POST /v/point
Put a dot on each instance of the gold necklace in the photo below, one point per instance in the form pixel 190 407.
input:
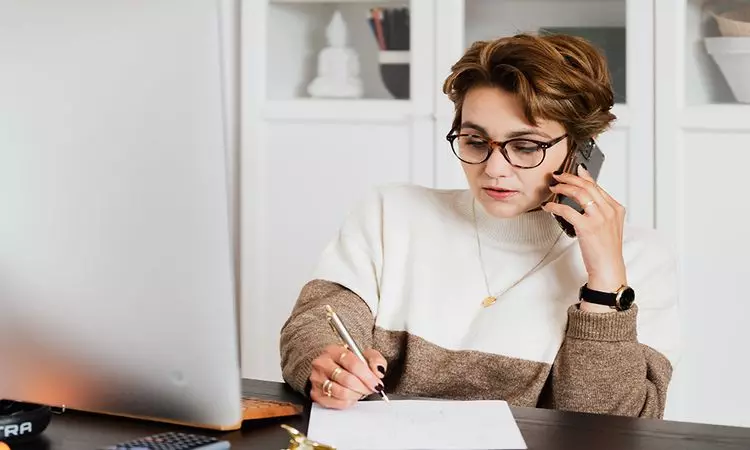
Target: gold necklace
pixel 492 299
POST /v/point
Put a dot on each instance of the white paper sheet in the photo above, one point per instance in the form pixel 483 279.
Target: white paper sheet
pixel 417 425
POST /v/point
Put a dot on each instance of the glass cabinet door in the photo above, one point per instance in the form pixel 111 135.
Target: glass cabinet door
pixel 716 43
pixel 601 22
pixel 341 49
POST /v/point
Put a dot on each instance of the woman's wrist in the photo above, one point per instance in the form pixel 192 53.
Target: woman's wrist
pixel 594 308
pixel 602 284
pixel 609 280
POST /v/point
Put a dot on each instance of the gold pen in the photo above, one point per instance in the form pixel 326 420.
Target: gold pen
pixel 340 329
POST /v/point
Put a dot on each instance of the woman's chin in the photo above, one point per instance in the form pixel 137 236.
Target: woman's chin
pixel 502 209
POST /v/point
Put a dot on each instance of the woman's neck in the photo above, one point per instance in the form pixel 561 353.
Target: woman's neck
pixel 535 228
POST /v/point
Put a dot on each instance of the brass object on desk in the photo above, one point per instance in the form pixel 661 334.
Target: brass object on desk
pixel 300 442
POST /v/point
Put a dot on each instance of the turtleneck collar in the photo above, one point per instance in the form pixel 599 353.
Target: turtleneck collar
pixel 531 229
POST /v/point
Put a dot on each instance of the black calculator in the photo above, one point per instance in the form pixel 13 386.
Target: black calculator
pixel 172 441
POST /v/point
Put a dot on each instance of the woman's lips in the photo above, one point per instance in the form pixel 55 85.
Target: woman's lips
pixel 499 194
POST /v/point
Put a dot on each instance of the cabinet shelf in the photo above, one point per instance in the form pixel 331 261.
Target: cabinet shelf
pixel 364 110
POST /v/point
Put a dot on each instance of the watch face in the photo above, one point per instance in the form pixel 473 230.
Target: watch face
pixel 627 298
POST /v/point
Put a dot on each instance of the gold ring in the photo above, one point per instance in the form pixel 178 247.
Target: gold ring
pixel 335 373
pixel 328 387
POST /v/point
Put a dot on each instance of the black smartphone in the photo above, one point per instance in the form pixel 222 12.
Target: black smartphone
pixel 592 157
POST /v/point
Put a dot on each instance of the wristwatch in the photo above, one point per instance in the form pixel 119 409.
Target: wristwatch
pixel 621 300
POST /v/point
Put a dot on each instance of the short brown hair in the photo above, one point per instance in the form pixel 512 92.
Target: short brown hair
pixel 557 77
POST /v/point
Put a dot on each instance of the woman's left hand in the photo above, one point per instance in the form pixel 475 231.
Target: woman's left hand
pixel 599 228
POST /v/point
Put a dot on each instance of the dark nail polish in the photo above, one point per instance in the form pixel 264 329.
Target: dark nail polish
pixel 552 180
pixel 381 369
pixel 379 387
pixel 584 166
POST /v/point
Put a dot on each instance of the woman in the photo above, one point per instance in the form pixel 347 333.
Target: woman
pixel 477 294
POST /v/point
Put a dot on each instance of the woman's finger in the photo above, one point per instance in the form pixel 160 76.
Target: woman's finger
pixel 580 195
pixel 584 173
pixel 377 363
pixel 340 392
pixel 325 369
pixel 589 186
pixel 336 390
pixel 318 396
pixel 349 361
pixel 613 205
pixel 566 212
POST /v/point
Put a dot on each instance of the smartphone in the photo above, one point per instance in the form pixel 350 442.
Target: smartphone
pixel 592 157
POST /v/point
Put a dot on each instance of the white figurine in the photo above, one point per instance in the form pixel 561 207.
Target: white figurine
pixel 338 65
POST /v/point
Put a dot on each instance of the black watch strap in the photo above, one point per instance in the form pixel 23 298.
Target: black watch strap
pixel 621 300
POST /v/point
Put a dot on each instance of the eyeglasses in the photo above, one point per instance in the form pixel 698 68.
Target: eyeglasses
pixel 519 152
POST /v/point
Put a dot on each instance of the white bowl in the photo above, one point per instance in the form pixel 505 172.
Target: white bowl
pixel 734 23
pixel 732 54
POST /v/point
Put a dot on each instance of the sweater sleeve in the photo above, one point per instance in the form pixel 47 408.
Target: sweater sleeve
pixel 306 332
pixel 621 363
pixel 347 278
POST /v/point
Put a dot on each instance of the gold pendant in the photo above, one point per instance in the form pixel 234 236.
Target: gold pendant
pixel 489 301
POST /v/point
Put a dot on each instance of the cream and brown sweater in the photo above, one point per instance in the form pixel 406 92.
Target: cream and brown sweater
pixel 405 276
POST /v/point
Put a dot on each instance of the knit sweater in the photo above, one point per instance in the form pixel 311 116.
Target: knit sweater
pixel 405 275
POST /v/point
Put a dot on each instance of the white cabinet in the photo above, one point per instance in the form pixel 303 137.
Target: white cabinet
pixel 703 155
pixel 675 157
pixel 305 161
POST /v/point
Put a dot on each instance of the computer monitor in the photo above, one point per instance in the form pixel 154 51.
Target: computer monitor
pixel 117 289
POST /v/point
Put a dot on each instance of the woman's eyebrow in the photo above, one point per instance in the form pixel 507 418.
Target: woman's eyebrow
pixel 510 135
pixel 479 128
pixel 526 132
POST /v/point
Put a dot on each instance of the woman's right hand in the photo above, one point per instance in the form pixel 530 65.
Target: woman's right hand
pixel 339 379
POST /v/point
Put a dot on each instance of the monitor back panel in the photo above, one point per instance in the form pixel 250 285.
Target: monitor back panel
pixel 116 273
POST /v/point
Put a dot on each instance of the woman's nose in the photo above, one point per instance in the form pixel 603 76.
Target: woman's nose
pixel 497 166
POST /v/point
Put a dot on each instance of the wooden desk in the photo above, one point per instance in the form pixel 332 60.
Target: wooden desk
pixel 542 429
